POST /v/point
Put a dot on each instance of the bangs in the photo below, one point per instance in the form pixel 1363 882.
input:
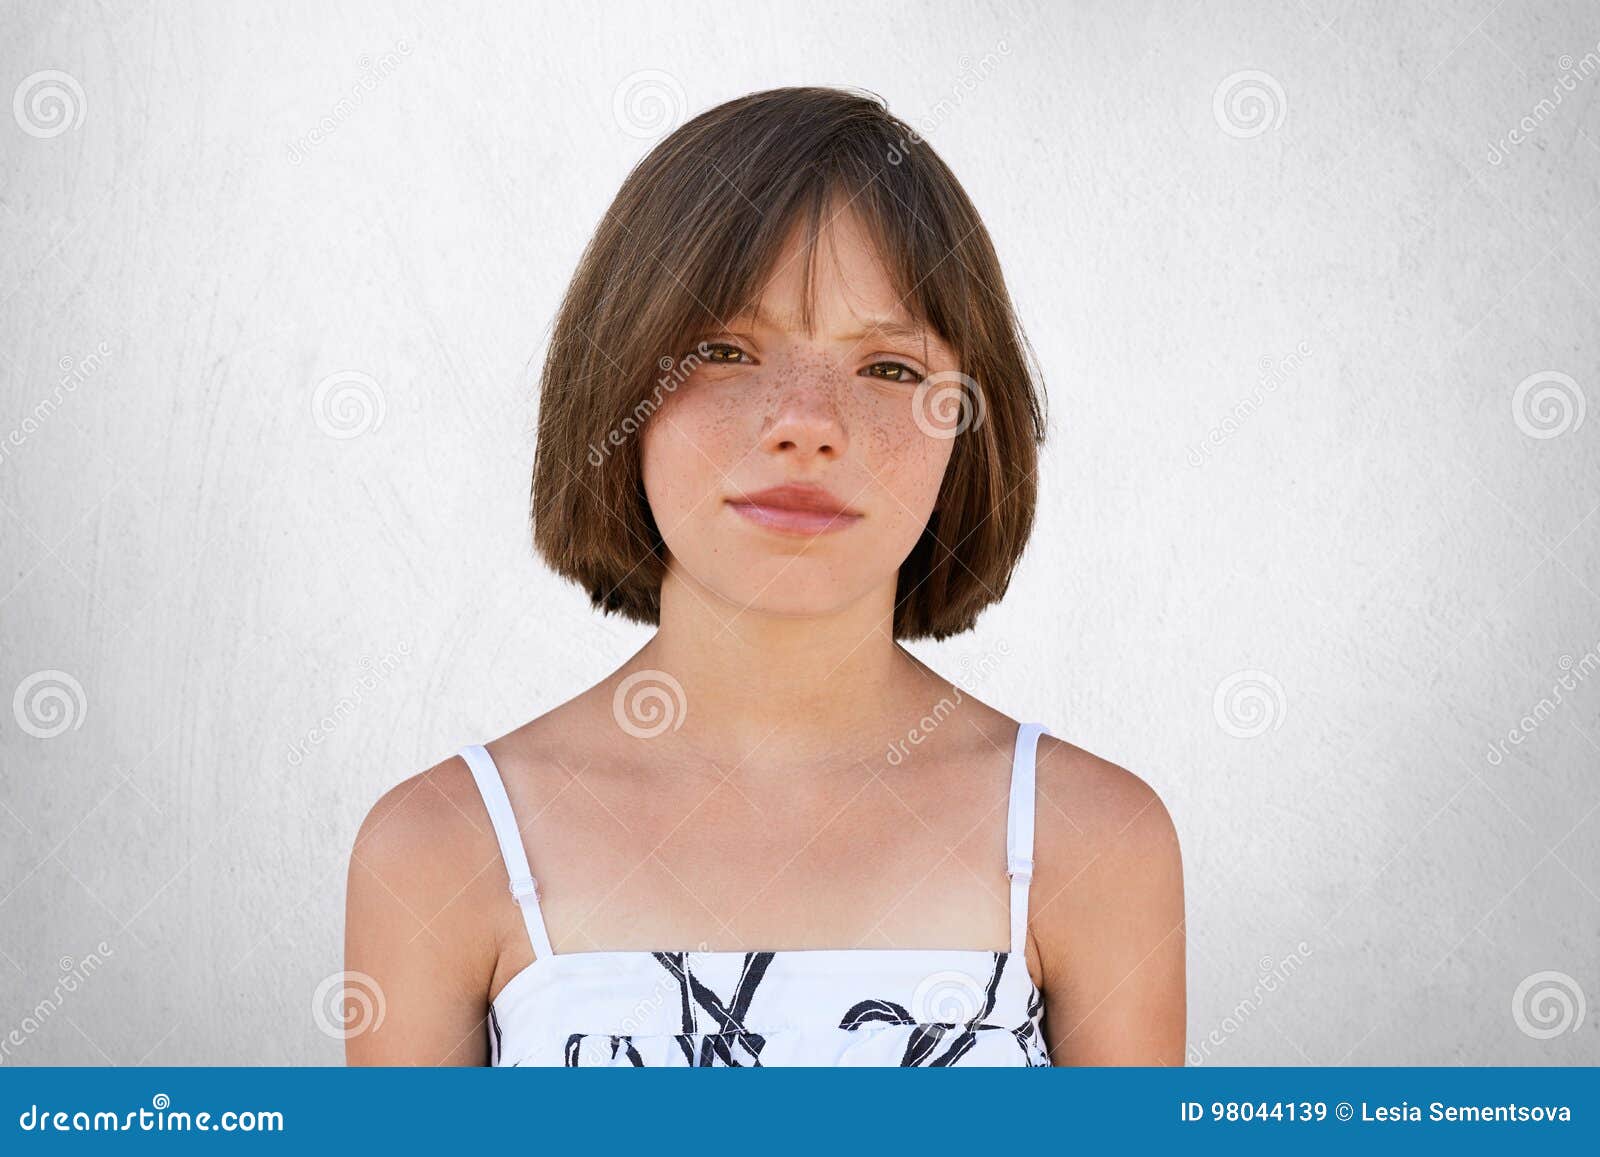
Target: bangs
pixel 730 283
pixel 764 180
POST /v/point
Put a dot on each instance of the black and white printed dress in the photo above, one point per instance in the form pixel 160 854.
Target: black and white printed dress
pixel 845 1006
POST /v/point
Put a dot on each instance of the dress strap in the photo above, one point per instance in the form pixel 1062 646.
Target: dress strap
pixel 1019 832
pixel 493 790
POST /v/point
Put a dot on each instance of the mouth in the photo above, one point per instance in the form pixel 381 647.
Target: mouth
pixel 796 509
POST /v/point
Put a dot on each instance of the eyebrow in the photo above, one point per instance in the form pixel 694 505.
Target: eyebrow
pixel 889 328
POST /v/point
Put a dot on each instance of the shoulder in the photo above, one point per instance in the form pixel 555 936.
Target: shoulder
pixel 1089 804
pixel 426 858
pixel 416 865
pixel 420 822
pixel 1104 840
pixel 1109 921
pixel 420 947
pixel 438 817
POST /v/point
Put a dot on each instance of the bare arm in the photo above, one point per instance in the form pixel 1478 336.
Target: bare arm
pixel 422 962
pixel 1110 923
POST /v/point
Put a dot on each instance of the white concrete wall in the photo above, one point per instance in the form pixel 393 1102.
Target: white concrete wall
pixel 1386 536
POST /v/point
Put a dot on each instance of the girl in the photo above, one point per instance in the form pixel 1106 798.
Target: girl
pixel 787 419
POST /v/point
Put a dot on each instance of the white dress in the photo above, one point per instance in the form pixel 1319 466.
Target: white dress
pixel 834 1006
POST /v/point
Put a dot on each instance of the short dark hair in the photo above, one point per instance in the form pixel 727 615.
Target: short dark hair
pixel 686 245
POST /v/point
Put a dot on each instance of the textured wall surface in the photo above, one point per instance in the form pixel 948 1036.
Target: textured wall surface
pixel 1315 287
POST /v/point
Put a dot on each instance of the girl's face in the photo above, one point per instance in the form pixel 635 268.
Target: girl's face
pixel 792 473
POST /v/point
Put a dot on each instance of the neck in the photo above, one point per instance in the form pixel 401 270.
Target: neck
pixel 769 690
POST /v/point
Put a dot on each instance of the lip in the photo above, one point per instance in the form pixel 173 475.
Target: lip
pixel 796 508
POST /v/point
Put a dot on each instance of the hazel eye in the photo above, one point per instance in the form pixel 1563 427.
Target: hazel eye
pixel 716 351
pixel 897 372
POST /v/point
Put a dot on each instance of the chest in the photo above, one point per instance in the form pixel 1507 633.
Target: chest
pixel 853 860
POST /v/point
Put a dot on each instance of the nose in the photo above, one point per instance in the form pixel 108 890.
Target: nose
pixel 804 420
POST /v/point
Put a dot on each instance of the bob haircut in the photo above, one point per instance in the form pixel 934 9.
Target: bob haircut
pixel 686 246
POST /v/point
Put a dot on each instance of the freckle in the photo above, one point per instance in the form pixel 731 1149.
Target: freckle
pixel 880 440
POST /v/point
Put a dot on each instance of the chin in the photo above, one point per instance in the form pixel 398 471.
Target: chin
pixel 791 589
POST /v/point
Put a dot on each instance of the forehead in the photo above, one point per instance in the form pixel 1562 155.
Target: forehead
pixel 840 286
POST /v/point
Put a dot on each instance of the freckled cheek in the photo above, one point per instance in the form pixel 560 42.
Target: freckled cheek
pixel 905 461
pixel 689 447
pixel 716 422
